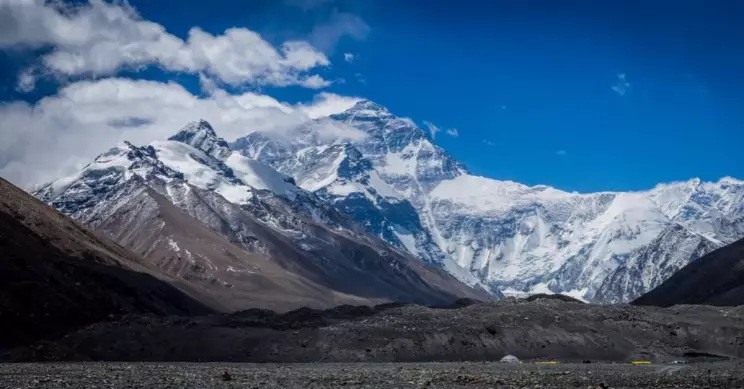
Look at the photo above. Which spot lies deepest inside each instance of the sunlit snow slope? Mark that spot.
(608, 247)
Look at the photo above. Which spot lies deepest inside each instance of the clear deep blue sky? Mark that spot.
(528, 84)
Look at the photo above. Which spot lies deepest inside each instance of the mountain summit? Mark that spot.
(201, 135)
(609, 246)
(396, 192)
(240, 231)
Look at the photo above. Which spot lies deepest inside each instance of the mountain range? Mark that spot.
(243, 234)
(300, 219)
(604, 247)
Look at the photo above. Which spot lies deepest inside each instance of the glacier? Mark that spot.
(603, 247)
(396, 185)
(239, 230)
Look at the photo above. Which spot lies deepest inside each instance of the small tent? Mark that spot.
(509, 359)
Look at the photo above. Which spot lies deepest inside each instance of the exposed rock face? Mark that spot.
(714, 279)
(56, 275)
(240, 230)
(605, 247)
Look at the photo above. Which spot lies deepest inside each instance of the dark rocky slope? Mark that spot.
(56, 275)
(255, 248)
(544, 328)
(714, 279)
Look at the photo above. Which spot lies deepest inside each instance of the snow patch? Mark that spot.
(408, 240)
(258, 175)
(173, 245)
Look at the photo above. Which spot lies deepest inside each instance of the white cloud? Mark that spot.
(561, 153)
(314, 82)
(349, 57)
(63, 132)
(622, 86)
(433, 129)
(26, 81)
(489, 142)
(326, 104)
(99, 38)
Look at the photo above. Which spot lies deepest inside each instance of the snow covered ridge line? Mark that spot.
(201, 211)
(194, 154)
(606, 246)
(404, 189)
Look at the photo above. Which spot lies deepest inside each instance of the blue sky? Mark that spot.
(528, 84)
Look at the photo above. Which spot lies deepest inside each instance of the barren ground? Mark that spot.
(369, 375)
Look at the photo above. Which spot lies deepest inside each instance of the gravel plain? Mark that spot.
(369, 375)
(546, 329)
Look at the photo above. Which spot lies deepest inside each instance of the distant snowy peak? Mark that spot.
(398, 147)
(195, 155)
(204, 212)
(116, 165)
(367, 108)
(506, 234)
(201, 135)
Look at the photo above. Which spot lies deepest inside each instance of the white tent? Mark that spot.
(509, 359)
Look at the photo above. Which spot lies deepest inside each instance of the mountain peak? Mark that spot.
(368, 105)
(201, 135)
(198, 127)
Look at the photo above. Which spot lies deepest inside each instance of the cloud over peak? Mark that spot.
(62, 132)
(88, 43)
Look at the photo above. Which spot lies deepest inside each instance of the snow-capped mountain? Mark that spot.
(609, 247)
(239, 229)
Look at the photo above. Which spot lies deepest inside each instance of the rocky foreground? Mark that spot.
(369, 375)
(544, 328)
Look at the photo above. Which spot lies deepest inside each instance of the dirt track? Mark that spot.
(369, 375)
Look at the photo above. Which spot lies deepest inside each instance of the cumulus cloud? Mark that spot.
(326, 104)
(99, 38)
(453, 132)
(349, 57)
(61, 133)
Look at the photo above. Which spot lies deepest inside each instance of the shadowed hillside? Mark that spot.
(56, 275)
(714, 279)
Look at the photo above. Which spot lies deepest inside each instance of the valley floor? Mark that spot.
(369, 375)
